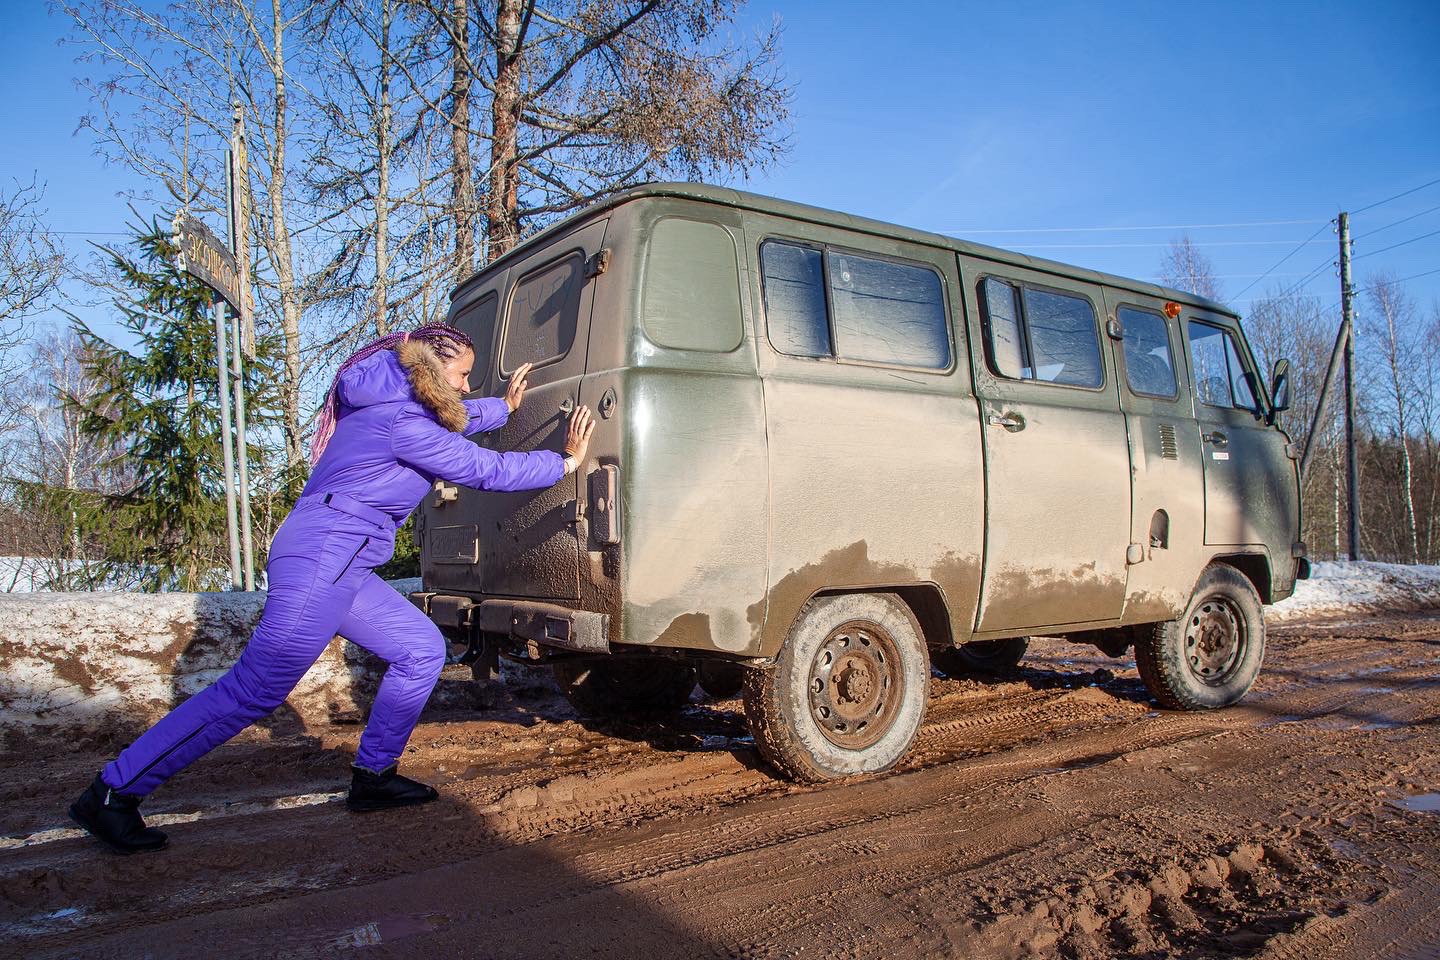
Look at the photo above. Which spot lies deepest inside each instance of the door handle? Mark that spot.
(1217, 438)
(1013, 422)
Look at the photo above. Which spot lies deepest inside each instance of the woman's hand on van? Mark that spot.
(577, 438)
(515, 392)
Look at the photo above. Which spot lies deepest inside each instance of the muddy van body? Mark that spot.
(831, 451)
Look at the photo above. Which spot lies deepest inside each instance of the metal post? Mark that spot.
(235, 215)
(223, 380)
(1347, 310)
(1337, 358)
(243, 458)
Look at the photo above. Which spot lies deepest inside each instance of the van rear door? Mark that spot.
(528, 542)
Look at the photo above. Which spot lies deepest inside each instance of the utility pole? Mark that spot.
(1347, 309)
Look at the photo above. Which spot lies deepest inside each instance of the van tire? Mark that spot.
(622, 686)
(720, 679)
(1209, 657)
(871, 707)
(981, 656)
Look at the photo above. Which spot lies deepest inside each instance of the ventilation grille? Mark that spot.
(1169, 449)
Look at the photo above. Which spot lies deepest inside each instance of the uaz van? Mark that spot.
(832, 452)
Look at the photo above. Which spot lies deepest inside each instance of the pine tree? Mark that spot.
(159, 406)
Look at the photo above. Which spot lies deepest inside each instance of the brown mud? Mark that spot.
(1054, 813)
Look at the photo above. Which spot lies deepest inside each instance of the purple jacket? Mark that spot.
(388, 449)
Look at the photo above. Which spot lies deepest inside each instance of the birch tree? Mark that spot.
(1391, 326)
(1184, 267)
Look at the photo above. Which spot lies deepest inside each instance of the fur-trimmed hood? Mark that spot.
(412, 371)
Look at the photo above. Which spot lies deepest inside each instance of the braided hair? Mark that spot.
(444, 340)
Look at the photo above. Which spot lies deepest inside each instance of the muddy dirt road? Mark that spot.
(1051, 813)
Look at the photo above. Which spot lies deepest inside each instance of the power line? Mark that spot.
(1397, 196)
(1298, 247)
(1113, 246)
(1167, 226)
(1396, 223)
(1402, 243)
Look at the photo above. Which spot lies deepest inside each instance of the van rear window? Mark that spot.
(543, 312)
(477, 322)
(1041, 335)
(880, 311)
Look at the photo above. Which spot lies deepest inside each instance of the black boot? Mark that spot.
(381, 791)
(114, 819)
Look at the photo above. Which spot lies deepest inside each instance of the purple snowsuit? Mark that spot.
(387, 452)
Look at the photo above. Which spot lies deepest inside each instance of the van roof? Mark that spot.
(728, 197)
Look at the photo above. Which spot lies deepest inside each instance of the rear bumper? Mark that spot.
(529, 621)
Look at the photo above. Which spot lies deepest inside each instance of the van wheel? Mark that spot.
(847, 692)
(1209, 657)
(721, 679)
(625, 687)
(981, 656)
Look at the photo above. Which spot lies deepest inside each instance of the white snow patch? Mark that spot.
(109, 664)
(1337, 589)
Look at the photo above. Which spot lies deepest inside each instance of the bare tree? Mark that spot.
(32, 264)
(1392, 327)
(586, 97)
(166, 79)
(1184, 267)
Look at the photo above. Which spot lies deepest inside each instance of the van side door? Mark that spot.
(1250, 486)
(1057, 466)
(1167, 483)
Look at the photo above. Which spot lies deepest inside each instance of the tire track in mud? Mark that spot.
(1003, 783)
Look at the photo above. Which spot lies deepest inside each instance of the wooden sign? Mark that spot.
(205, 257)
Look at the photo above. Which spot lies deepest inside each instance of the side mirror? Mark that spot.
(1280, 387)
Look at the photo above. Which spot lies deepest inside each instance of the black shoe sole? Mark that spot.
(375, 806)
(90, 829)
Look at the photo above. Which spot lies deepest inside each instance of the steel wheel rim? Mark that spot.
(854, 684)
(1215, 639)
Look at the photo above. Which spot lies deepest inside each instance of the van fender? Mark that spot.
(925, 599)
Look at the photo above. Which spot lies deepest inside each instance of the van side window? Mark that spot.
(794, 292)
(543, 312)
(477, 322)
(1220, 374)
(692, 287)
(888, 312)
(877, 310)
(1050, 337)
(1149, 369)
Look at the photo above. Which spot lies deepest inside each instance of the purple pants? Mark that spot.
(321, 584)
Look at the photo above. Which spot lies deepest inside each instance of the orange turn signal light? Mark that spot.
(1172, 309)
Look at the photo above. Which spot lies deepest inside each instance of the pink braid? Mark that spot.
(446, 341)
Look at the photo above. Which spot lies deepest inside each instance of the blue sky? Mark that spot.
(1022, 125)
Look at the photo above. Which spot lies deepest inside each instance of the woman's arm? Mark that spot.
(416, 439)
(486, 413)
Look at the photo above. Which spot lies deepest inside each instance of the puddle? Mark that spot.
(1420, 803)
(1281, 718)
(1380, 725)
(388, 930)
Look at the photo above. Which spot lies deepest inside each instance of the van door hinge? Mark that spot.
(1135, 553)
(598, 264)
(575, 511)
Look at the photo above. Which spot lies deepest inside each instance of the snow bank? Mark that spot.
(107, 665)
(1343, 588)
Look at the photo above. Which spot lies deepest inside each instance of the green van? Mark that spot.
(831, 452)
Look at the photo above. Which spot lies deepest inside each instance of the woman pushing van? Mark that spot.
(392, 424)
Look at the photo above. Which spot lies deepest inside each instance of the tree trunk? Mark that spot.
(462, 173)
(502, 202)
(382, 190)
(290, 306)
